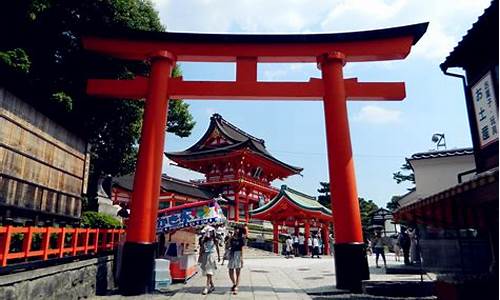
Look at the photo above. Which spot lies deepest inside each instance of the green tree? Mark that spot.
(41, 51)
(407, 176)
(324, 197)
(366, 207)
(394, 203)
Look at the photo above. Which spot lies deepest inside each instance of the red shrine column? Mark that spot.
(237, 205)
(307, 235)
(325, 237)
(351, 265)
(136, 276)
(275, 238)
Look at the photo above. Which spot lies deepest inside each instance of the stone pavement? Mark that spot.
(267, 276)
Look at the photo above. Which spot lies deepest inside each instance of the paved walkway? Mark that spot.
(267, 276)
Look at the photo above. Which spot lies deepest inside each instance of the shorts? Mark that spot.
(235, 260)
(378, 250)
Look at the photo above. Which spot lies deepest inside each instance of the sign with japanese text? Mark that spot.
(485, 107)
(190, 217)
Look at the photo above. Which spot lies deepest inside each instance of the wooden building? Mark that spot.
(43, 166)
(460, 223)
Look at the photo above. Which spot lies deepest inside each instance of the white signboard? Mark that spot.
(485, 107)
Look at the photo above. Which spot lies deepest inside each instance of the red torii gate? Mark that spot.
(329, 51)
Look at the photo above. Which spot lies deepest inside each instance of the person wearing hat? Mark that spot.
(208, 261)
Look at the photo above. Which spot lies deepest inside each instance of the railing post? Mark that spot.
(61, 241)
(28, 237)
(96, 241)
(6, 245)
(104, 239)
(112, 238)
(86, 241)
(74, 242)
(46, 243)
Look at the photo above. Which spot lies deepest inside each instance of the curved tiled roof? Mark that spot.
(238, 137)
(484, 29)
(444, 153)
(169, 184)
(414, 30)
(301, 200)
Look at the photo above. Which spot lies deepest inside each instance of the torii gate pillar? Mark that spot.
(351, 265)
(136, 276)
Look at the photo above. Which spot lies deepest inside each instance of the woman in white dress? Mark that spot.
(208, 261)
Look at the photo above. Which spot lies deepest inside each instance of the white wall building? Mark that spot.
(437, 171)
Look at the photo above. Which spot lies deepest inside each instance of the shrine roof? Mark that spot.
(300, 200)
(168, 184)
(236, 138)
(483, 31)
(442, 153)
(415, 30)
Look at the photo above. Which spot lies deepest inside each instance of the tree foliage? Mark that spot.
(324, 197)
(95, 219)
(41, 52)
(394, 203)
(366, 207)
(406, 175)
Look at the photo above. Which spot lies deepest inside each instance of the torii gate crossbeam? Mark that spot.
(329, 51)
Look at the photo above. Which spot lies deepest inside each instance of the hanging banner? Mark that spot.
(189, 215)
(485, 107)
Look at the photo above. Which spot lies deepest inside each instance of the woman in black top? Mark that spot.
(237, 242)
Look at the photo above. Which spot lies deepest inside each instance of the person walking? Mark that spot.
(331, 240)
(227, 247)
(315, 246)
(208, 261)
(288, 247)
(310, 245)
(235, 263)
(397, 249)
(404, 242)
(295, 245)
(302, 248)
(414, 254)
(378, 248)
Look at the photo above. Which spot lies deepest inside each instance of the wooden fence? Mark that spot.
(20, 244)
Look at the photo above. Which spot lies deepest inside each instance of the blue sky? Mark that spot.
(382, 133)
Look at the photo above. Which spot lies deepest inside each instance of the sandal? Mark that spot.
(205, 291)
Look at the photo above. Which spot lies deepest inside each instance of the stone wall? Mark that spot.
(73, 280)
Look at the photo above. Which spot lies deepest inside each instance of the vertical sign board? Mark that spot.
(485, 108)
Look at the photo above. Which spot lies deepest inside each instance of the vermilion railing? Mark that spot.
(54, 242)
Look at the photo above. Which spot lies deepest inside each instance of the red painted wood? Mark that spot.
(244, 89)
(345, 205)
(372, 50)
(146, 189)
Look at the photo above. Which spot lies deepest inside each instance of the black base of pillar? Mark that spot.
(137, 267)
(351, 266)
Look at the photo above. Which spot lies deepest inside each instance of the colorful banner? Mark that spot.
(194, 216)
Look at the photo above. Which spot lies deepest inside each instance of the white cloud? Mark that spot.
(449, 19)
(377, 115)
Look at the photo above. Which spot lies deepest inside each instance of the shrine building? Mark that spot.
(236, 165)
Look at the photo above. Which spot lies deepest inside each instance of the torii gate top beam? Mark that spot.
(373, 45)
